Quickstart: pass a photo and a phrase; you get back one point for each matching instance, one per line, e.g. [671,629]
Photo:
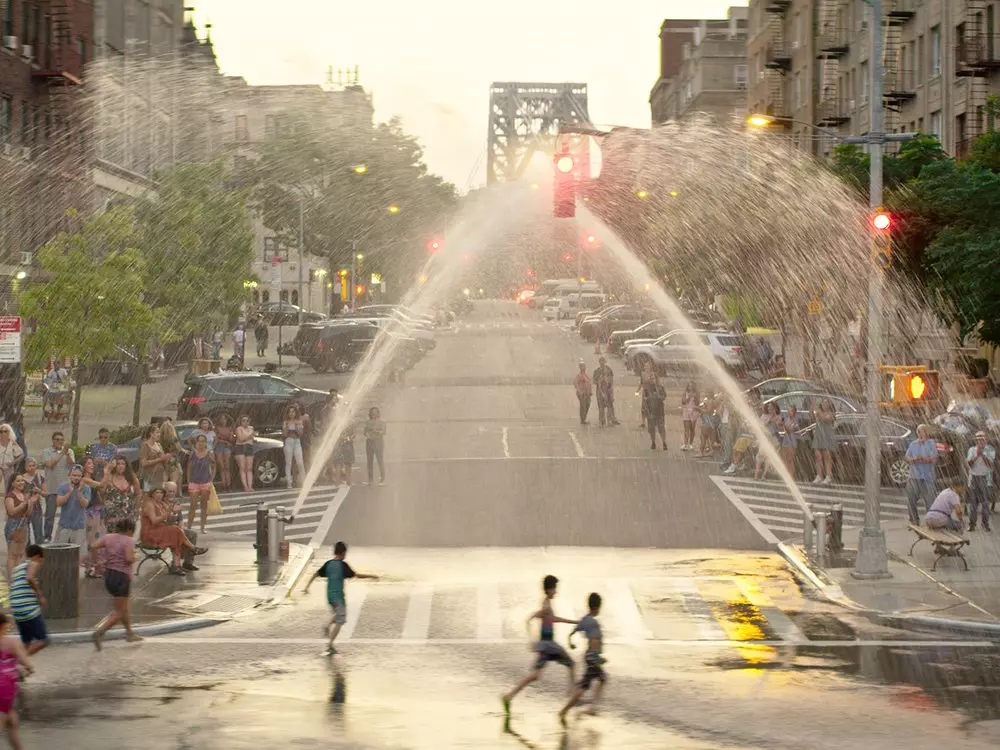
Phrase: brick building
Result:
[44,45]
[703,68]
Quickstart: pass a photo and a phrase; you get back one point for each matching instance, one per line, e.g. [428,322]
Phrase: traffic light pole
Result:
[873,558]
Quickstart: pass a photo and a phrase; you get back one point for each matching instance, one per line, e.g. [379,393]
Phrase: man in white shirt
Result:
[980,460]
[239,341]
[948,502]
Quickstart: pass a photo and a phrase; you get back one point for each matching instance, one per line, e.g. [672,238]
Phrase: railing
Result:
[978,51]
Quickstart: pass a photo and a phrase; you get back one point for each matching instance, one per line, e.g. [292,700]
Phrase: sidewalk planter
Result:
[60,581]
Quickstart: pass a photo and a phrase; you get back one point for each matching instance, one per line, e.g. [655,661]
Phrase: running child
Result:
[13,657]
[336,571]
[119,551]
[593,659]
[27,602]
[546,647]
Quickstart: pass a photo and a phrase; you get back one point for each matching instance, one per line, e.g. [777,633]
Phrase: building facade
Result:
[703,69]
[810,62]
[44,137]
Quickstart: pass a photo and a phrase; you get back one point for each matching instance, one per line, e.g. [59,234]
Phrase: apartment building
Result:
[941,58]
[44,45]
[248,116]
[710,76]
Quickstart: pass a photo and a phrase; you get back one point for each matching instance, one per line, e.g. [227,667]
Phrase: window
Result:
[797,98]
[277,387]
[848,427]
[918,59]
[81,48]
[25,22]
[25,123]
[863,73]
[8,19]
[741,74]
[936,124]
[270,129]
[904,67]
[936,51]
[6,109]
[242,134]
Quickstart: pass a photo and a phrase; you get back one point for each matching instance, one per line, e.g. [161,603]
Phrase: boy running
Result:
[593,659]
[336,571]
[547,648]
[26,601]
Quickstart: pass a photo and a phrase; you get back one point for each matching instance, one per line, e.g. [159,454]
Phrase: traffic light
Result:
[359,290]
[882,223]
[590,241]
[912,387]
[564,186]
[434,244]
[568,257]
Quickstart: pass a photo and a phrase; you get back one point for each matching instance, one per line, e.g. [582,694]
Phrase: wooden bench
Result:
[151,553]
[946,543]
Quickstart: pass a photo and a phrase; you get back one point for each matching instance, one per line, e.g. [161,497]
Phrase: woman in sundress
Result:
[121,493]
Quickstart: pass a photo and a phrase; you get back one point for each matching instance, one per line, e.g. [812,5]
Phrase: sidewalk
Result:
[948,599]
[228,584]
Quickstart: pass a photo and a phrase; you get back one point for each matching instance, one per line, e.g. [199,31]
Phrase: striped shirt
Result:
[24,602]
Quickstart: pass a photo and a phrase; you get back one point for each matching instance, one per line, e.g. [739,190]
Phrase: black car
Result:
[849,454]
[804,402]
[285,314]
[598,328]
[651,331]
[262,396]
[335,346]
[268,457]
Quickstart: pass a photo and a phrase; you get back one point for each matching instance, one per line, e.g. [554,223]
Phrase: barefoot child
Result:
[119,551]
[593,659]
[546,647]
[336,571]
[12,654]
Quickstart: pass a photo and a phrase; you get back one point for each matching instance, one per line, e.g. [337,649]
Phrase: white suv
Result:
[674,351]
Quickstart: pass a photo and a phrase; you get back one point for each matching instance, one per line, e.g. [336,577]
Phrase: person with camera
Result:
[20,504]
[73,497]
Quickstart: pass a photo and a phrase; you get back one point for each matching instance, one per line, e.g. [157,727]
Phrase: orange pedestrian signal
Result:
[918,387]
[913,386]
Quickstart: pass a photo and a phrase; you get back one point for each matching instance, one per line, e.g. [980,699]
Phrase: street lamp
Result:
[394,209]
[21,275]
[641,195]
[360,169]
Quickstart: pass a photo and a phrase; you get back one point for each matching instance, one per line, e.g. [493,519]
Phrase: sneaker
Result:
[190,566]
[818,479]
[828,480]
[731,470]
[972,527]
[330,651]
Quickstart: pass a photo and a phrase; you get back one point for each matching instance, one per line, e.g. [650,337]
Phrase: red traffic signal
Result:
[564,186]
[434,244]
[882,221]
[568,257]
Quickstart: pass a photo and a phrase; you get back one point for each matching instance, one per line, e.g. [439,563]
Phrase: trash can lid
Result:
[60,545]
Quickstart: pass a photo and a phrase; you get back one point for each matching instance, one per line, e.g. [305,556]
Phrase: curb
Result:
[283,590]
[921,623]
[159,628]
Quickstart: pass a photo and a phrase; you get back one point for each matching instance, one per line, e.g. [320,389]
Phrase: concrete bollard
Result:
[60,581]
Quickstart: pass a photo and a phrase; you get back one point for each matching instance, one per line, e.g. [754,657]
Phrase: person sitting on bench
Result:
[156,531]
[939,516]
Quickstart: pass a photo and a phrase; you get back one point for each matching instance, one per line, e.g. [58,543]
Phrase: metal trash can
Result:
[59,579]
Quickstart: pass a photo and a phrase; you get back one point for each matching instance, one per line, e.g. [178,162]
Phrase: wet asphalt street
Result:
[710,642]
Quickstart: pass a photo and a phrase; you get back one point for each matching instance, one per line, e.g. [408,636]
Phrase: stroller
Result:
[57,402]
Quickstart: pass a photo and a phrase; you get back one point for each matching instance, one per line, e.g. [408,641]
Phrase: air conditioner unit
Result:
[27,52]
[10,42]
[26,257]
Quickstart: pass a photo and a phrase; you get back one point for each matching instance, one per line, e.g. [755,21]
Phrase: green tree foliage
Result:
[345,180]
[92,297]
[197,243]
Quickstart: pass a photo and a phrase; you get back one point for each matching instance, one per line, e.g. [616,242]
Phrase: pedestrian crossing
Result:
[634,611]
[239,512]
[770,507]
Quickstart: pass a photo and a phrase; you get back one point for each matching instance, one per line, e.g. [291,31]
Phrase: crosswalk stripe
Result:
[417,624]
[624,611]
[707,626]
[355,603]
[782,624]
[252,522]
[489,618]
[790,502]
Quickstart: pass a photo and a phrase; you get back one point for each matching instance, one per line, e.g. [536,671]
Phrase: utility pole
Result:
[873,558]
[301,252]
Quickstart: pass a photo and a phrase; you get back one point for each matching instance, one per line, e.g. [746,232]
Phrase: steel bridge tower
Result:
[525,118]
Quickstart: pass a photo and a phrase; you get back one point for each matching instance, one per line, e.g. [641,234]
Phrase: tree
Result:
[91,297]
[196,241]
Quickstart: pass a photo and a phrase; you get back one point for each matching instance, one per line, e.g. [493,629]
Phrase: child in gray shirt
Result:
[593,659]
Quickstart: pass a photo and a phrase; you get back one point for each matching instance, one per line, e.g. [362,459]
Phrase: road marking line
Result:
[321,489]
[171,640]
[576,444]
[778,620]
[231,521]
[323,528]
[489,617]
[623,611]
[748,514]
[418,613]
[506,444]
[358,593]
[696,606]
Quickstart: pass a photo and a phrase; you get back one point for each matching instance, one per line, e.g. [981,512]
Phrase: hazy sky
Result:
[431,62]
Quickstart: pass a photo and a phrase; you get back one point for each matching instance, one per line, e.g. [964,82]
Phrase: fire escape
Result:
[897,83]
[832,47]
[975,60]
[777,59]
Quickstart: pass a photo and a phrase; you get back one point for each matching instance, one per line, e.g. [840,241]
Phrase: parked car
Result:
[582,315]
[263,396]
[895,437]
[404,314]
[777,386]
[599,327]
[525,297]
[424,336]
[674,351]
[285,314]
[804,401]
[647,333]
[268,456]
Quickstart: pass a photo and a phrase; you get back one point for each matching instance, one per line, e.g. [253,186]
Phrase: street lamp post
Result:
[301,250]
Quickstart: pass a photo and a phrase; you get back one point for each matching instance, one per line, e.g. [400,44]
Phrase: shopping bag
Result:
[214,506]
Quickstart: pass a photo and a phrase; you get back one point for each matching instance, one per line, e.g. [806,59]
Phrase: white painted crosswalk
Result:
[635,611]
[770,507]
[239,512]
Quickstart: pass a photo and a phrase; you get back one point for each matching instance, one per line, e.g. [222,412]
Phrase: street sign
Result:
[815,307]
[376,279]
[10,339]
